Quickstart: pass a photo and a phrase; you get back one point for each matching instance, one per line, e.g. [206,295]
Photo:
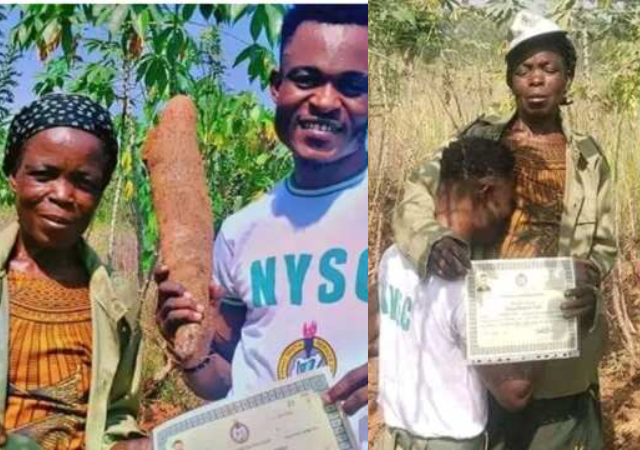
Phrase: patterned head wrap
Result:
[60,110]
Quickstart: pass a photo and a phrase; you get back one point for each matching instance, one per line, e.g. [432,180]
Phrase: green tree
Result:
[9,55]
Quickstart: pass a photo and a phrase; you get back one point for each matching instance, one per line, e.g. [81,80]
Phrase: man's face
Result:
[321,93]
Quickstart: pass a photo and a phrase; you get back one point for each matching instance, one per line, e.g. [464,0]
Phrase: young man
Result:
[431,398]
[293,265]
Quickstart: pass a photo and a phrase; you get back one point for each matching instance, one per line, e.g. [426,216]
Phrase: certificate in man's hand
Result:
[513,311]
[289,415]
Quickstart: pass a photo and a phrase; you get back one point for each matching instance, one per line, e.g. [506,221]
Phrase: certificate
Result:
[289,415]
[513,311]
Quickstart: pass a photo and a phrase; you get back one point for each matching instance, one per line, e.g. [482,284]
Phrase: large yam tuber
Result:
[183,210]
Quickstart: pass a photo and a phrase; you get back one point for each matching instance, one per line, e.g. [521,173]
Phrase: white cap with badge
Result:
[528,25]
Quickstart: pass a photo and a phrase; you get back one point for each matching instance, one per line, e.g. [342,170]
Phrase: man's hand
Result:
[351,390]
[176,306]
[449,259]
[581,300]
[134,444]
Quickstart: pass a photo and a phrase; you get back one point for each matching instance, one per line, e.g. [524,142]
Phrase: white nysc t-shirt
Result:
[298,260]
[426,387]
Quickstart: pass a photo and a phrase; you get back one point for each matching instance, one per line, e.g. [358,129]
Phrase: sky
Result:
[233,39]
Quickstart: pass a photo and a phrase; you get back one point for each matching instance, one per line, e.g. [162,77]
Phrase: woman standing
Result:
[562,209]
[69,346]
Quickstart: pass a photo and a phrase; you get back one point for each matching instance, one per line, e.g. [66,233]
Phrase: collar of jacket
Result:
[101,287]
[583,154]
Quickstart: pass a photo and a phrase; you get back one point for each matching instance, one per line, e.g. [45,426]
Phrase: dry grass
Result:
[428,104]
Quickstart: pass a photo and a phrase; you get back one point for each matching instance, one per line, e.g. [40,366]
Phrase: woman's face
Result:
[58,184]
[539,84]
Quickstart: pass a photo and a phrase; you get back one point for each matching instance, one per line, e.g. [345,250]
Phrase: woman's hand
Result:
[449,259]
[581,301]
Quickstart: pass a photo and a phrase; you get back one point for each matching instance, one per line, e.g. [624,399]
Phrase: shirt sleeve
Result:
[224,268]
[415,228]
[459,313]
[124,402]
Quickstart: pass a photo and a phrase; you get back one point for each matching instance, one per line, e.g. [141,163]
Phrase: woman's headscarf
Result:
[60,110]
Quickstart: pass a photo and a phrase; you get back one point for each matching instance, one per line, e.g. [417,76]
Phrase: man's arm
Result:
[213,381]
[510,384]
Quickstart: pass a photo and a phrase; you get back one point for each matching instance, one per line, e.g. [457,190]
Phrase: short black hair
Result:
[474,158]
[557,42]
[331,14]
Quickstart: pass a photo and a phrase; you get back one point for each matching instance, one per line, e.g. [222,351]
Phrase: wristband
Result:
[204,362]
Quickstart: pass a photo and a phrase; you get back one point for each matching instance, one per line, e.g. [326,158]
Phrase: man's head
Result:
[476,190]
[321,88]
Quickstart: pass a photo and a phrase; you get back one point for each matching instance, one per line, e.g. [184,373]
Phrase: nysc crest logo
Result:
[306,354]
[239,432]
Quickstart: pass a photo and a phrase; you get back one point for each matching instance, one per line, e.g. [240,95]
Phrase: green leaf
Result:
[187,11]
[67,40]
[206,11]
[255,67]
[117,17]
[88,12]
[258,22]
[141,23]
[245,54]
[143,66]
[174,47]
[262,159]
[50,32]
[239,11]
[223,13]
[152,73]
[160,40]
[274,22]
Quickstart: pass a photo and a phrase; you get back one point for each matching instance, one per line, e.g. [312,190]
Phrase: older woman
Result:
[70,346]
[563,209]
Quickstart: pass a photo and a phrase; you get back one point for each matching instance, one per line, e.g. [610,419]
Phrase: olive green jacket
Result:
[586,232]
[116,359]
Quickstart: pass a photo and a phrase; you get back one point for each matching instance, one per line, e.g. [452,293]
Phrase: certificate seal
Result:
[521,280]
[239,433]
[306,354]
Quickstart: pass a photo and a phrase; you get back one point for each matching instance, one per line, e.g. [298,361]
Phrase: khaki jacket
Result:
[116,361]
[586,232]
